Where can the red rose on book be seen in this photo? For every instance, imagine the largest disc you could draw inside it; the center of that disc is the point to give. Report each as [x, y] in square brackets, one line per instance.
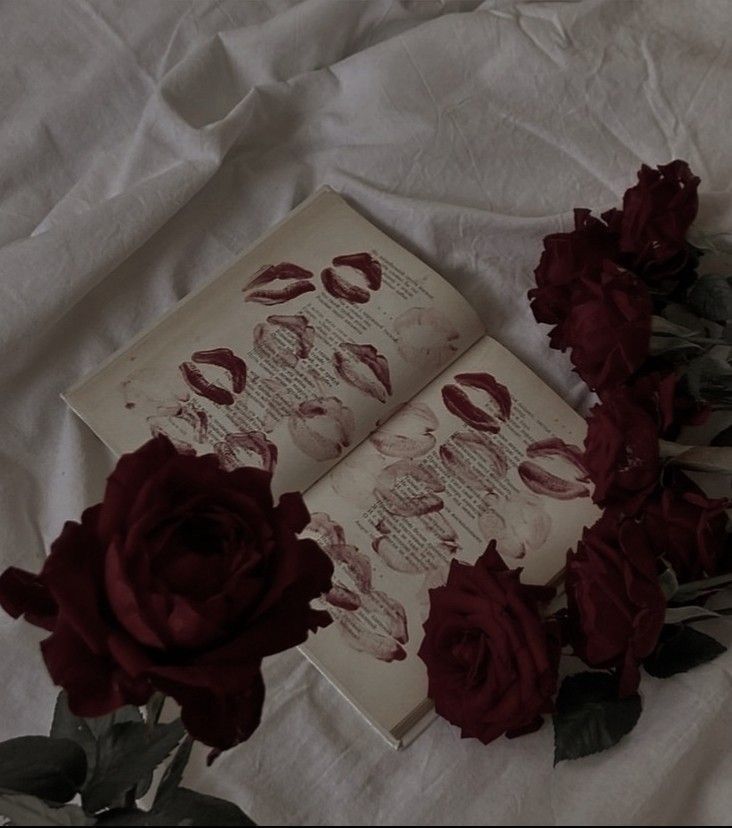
[615, 603]
[608, 327]
[182, 580]
[621, 446]
[687, 529]
[491, 659]
[568, 258]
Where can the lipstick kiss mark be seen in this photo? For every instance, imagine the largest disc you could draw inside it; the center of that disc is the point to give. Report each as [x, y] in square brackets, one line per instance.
[542, 482]
[417, 544]
[285, 339]
[251, 448]
[346, 558]
[519, 524]
[377, 628]
[322, 427]
[496, 409]
[341, 288]
[408, 433]
[554, 447]
[224, 358]
[407, 488]
[426, 337]
[183, 423]
[364, 368]
[474, 459]
[284, 271]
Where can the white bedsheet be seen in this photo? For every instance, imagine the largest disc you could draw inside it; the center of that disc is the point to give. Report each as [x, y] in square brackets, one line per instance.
[144, 143]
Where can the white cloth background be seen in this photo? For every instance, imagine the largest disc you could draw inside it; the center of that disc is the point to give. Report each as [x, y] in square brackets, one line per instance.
[144, 143]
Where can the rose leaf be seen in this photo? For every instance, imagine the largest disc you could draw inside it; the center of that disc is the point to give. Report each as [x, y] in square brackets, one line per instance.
[22, 809]
[711, 296]
[679, 649]
[174, 772]
[40, 766]
[66, 725]
[201, 809]
[590, 717]
[127, 754]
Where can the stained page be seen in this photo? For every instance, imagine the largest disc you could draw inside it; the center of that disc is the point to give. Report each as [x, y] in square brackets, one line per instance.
[486, 451]
[291, 356]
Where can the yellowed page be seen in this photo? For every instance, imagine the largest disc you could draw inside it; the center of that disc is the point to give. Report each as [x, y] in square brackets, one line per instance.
[291, 356]
[486, 451]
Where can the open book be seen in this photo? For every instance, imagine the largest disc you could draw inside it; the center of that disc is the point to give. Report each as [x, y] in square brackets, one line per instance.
[330, 355]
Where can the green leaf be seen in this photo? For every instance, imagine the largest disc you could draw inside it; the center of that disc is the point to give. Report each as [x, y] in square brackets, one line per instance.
[590, 717]
[126, 754]
[692, 590]
[199, 808]
[679, 649]
[182, 807]
[154, 708]
[711, 296]
[40, 766]
[724, 438]
[174, 772]
[102, 725]
[66, 725]
[22, 809]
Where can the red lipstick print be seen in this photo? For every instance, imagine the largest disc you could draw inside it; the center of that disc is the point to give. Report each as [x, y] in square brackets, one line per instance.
[251, 448]
[341, 288]
[322, 427]
[474, 459]
[408, 433]
[182, 423]
[377, 628]
[554, 447]
[332, 539]
[519, 524]
[271, 339]
[408, 489]
[278, 297]
[363, 367]
[459, 403]
[440, 544]
[283, 270]
[542, 482]
[426, 337]
[223, 358]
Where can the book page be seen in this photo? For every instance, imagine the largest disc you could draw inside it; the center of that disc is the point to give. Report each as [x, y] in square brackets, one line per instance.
[290, 357]
[487, 451]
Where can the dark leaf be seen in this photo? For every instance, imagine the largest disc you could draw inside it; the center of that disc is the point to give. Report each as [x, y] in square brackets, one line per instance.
[154, 708]
[127, 754]
[38, 765]
[711, 296]
[724, 438]
[101, 725]
[679, 649]
[590, 717]
[181, 807]
[22, 809]
[201, 809]
[174, 772]
[68, 726]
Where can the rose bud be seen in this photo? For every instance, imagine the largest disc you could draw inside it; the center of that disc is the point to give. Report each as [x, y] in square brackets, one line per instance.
[491, 659]
[615, 603]
[181, 581]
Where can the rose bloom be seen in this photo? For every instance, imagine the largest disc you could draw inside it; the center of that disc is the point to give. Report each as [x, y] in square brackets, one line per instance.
[608, 327]
[615, 604]
[687, 529]
[567, 259]
[182, 580]
[491, 659]
[621, 445]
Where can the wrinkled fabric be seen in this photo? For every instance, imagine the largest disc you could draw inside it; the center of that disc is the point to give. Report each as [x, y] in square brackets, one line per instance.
[146, 143]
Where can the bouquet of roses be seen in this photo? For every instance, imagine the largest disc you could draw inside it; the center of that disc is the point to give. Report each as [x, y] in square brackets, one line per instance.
[650, 334]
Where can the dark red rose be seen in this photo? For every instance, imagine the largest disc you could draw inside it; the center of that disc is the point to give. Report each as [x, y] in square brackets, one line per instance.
[687, 529]
[182, 580]
[621, 446]
[567, 259]
[615, 604]
[608, 327]
[491, 660]
[653, 223]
